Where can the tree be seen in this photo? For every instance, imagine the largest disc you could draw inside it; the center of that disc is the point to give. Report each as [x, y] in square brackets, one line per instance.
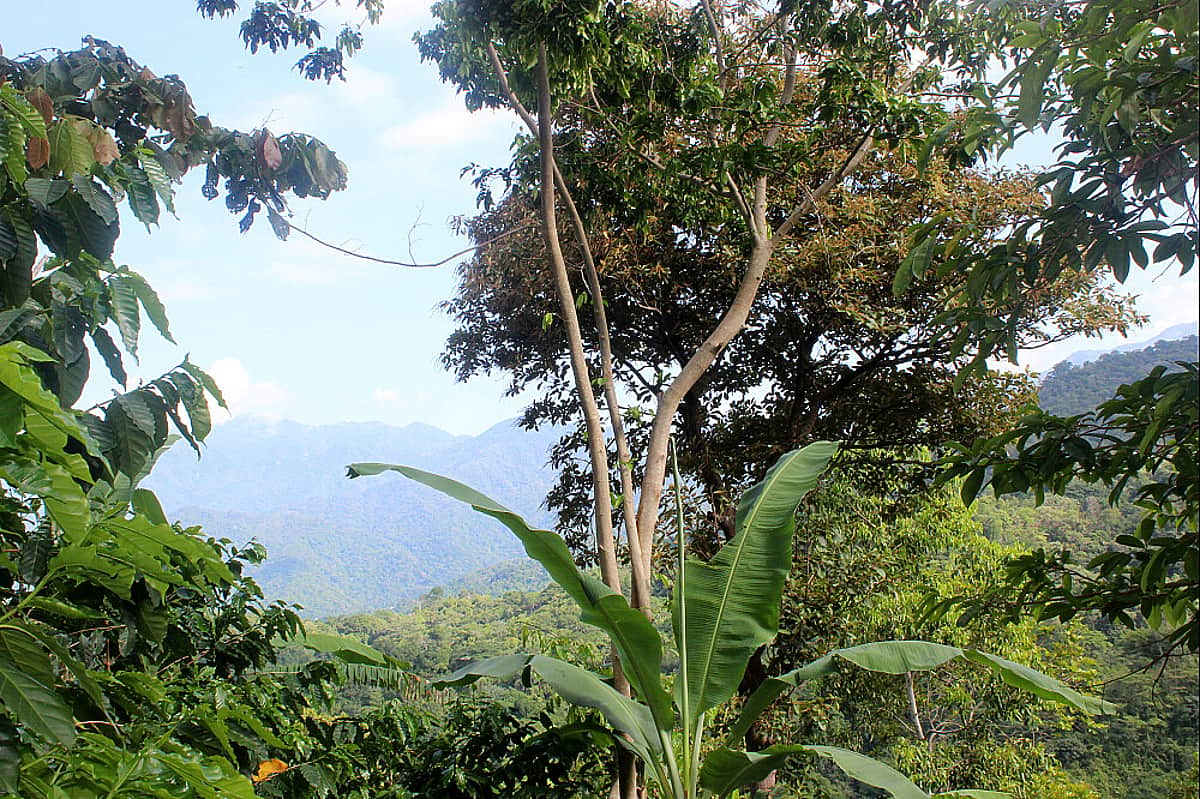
[1120, 81]
[828, 350]
[130, 647]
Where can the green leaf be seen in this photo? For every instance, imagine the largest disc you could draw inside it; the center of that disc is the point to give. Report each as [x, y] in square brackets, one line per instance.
[96, 198]
[577, 686]
[45, 191]
[10, 758]
[729, 607]
[30, 118]
[158, 178]
[899, 657]
[35, 706]
[1033, 85]
[70, 151]
[24, 653]
[637, 642]
[46, 637]
[123, 309]
[343, 647]
[205, 379]
[726, 770]
[111, 355]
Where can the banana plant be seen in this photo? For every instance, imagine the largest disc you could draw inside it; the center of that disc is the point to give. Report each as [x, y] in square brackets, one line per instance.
[721, 611]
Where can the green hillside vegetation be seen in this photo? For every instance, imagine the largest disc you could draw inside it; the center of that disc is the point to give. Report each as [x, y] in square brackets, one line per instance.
[1068, 389]
[774, 615]
[864, 572]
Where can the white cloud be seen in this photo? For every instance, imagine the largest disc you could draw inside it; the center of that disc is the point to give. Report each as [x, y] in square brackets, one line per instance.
[447, 127]
[302, 274]
[244, 394]
[185, 289]
[386, 395]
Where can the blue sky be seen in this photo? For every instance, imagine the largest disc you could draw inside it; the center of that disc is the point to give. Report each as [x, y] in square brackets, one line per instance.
[292, 330]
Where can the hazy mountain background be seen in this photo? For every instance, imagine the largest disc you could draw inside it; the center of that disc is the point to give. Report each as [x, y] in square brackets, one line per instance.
[341, 546]
[338, 545]
[1172, 333]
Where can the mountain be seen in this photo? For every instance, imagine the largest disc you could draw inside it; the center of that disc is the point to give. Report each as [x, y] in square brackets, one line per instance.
[1070, 389]
[340, 546]
[1172, 333]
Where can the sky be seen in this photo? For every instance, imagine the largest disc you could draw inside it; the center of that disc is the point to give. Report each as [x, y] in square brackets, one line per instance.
[290, 329]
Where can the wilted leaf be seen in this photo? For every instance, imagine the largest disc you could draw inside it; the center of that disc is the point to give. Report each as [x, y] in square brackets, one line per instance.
[104, 147]
[38, 98]
[37, 152]
[268, 769]
[268, 151]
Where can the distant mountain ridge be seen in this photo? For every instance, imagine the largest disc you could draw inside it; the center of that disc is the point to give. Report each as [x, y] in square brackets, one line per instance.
[1172, 333]
[340, 546]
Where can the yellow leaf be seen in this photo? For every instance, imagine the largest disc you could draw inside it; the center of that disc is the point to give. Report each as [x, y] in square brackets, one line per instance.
[268, 769]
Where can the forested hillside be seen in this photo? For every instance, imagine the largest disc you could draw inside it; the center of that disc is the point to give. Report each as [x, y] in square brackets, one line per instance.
[1070, 389]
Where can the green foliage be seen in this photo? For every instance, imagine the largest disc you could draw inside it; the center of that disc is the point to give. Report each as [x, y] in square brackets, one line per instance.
[1118, 79]
[1145, 438]
[649, 730]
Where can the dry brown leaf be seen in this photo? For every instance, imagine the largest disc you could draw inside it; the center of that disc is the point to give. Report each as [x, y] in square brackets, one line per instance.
[268, 769]
[268, 150]
[37, 152]
[104, 147]
[41, 101]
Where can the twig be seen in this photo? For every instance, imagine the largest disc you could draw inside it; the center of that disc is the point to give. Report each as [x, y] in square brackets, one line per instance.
[391, 262]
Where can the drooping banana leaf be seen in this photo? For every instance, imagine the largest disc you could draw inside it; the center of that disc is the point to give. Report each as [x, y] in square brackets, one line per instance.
[637, 642]
[725, 770]
[725, 609]
[578, 686]
[899, 657]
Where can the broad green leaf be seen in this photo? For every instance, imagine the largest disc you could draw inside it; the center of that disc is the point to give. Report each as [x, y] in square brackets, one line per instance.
[83, 677]
[729, 607]
[204, 379]
[973, 793]
[343, 647]
[1033, 85]
[10, 758]
[1041, 685]
[152, 304]
[726, 770]
[23, 111]
[158, 178]
[35, 705]
[70, 151]
[97, 198]
[579, 687]
[111, 355]
[123, 309]
[145, 502]
[23, 652]
[899, 657]
[637, 642]
[45, 191]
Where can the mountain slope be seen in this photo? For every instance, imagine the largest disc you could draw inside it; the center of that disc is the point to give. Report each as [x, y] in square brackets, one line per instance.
[1068, 389]
[337, 545]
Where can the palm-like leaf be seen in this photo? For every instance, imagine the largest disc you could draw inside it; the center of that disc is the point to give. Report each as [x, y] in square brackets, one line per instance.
[579, 687]
[899, 657]
[637, 642]
[727, 769]
[728, 607]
